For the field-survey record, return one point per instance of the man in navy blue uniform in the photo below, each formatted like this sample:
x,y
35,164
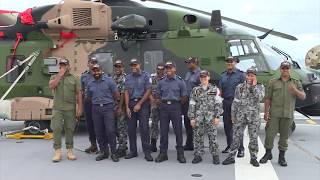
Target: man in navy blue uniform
x,y
192,80
137,92
171,92
102,91
228,83
85,78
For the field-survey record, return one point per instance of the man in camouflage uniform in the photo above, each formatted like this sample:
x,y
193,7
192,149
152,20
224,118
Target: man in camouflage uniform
x,y
205,107
119,78
245,111
155,111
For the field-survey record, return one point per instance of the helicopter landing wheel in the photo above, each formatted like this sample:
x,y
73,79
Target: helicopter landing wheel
x,y
39,124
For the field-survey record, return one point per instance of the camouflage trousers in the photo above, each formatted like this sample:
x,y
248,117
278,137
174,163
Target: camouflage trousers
x,y
122,131
243,119
155,117
205,126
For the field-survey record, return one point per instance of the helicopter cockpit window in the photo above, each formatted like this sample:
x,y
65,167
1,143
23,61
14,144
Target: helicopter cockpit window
x,y
274,60
105,60
255,62
241,47
11,62
151,59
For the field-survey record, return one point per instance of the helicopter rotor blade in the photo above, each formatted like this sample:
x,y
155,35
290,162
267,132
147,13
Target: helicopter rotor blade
x,y
248,25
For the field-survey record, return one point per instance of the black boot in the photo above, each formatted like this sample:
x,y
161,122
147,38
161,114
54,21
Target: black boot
x,y
254,162
114,158
181,158
154,145
240,153
282,161
121,153
148,157
196,159
229,160
215,159
131,155
92,149
102,155
161,157
188,147
267,156
226,150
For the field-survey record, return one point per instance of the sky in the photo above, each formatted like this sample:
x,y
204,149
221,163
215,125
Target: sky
x,y
299,18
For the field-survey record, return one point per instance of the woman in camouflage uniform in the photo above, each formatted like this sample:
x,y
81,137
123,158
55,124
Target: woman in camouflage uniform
x,y
205,107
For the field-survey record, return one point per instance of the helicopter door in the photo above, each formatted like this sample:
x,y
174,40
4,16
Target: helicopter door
x,y
11,62
151,59
105,60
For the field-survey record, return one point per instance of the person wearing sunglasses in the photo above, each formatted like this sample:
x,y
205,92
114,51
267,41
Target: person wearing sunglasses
x,y
280,100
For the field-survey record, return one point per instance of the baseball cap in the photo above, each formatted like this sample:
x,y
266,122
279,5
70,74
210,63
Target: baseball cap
x,y
192,60
204,73
170,63
232,58
285,64
251,70
134,61
118,62
64,61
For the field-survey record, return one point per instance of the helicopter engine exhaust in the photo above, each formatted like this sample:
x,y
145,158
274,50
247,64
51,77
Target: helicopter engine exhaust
x,y
216,22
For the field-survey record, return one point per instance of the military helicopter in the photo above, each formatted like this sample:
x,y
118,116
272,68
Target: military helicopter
x,y
122,29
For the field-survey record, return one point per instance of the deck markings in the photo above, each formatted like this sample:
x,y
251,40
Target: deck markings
x,y
245,171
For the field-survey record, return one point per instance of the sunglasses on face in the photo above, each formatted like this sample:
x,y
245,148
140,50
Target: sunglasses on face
x,y
203,76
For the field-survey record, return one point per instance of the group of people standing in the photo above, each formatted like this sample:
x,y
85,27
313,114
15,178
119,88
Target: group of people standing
x,y
114,106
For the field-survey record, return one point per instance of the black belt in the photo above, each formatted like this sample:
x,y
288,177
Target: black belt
x,y
169,101
101,105
135,99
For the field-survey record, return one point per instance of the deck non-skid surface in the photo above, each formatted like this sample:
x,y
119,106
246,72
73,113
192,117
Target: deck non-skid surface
x,y
31,159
